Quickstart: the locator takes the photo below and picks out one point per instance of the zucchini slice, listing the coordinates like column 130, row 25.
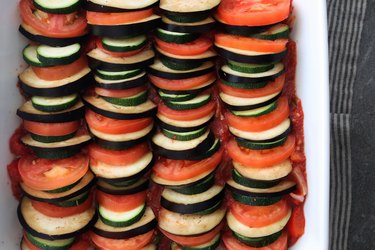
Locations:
column 49, row 228
column 33, row 85
column 256, row 112
column 54, row 104
column 197, row 187
column 175, row 37
column 160, row 70
column 274, row 32
column 102, row 61
column 194, row 103
column 228, row 74
column 121, row 219
column 241, row 104
column 249, row 68
column 30, row 56
column 145, row 224
column 119, row 75
column 100, row 106
column 184, row 136
column 128, row 83
column 189, row 224
column 124, row 44
column 258, row 241
column 178, row 65
column 130, row 101
column 29, row 113
column 186, row 17
column 54, row 56
column 184, row 126
column 175, row 97
column 50, row 244
column 138, row 27
column 237, row 177
column 57, row 6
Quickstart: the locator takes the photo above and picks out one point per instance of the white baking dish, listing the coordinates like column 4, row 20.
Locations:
column 312, row 84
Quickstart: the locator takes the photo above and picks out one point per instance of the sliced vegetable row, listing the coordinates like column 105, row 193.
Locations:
column 191, row 203
column 251, row 83
column 120, row 117
column 57, row 206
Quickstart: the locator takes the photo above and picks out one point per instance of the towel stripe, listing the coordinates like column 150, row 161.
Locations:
column 345, row 25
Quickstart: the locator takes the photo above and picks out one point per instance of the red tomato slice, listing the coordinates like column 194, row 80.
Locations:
column 102, row 18
column 252, row 44
column 15, row 178
column 15, row 144
column 178, row 170
column 296, row 225
column 232, row 244
column 191, row 241
column 118, row 157
column 134, row 243
column 61, row 71
column 61, row 212
column 187, row 115
column 121, row 203
column 51, row 129
column 99, row 45
column 43, row 174
column 272, row 87
column 113, row 126
column 182, row 84
column 120, row 93
column 253, row 12
column 263, row 122
column 259, row 216
column 52, row 25
column 261, row 158
column 193, row 48
column 81, row 244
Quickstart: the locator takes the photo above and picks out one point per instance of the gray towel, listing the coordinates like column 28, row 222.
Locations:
column 352, row 71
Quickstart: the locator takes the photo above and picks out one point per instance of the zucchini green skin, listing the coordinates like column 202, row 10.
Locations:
column 184, row 136
column 260, row 145
column 249, row 68
column 257, row 242
column 49, row 244
column 108, row 46
column 176, row 65
column 51, row 139
column 122, row 223
column 128, row 101
column 169, row 37
column 39, row 4
column 255, row 201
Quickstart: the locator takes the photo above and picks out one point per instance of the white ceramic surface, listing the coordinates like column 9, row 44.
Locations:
column 312, row 84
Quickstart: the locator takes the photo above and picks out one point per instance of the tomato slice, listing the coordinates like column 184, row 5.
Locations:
column 272, row 87
column 102, row 18
column 118, row 157
column 52, row 210
column 99, row 45
column 113, row 126
column 178, row 170
column 259, row 216
column 121, row 203
column 51, row 129
column 232, row 244
column 252, row 44
column 263, row 122
column 296, row 225
column 15, row 178
column 182, row 84
column 61, row 71
column 81, row 244
column 261, row 158
column 44, row 174
column 187, row 115
column 52, row 25
column 193, row 48
column 191, row 241
column 134, row 243
column 120, row 93
column 15, row 144
column 253, row 12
